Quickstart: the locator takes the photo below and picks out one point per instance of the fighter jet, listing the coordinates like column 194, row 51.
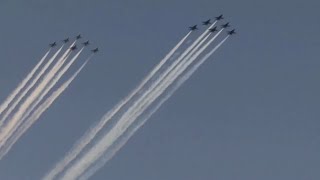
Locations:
column 207, row 22
column 66, row 40
column 233, row 31
column 225, row 25
column 53, row 44
column 219, row 17
column 212, row 30
column 95, row 50
column 86, row 43
column 74, row 47
column 192, row 28
column 79, row 36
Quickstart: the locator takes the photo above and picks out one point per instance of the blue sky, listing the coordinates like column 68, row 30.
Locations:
column 251, row 112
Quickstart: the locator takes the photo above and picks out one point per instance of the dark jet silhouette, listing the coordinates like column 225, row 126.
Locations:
column 233, row 31
column 66, row 40
column 74, row 47
column 53, row 44
column 225, row 25
column 79, row 36
column 219, row 17
column 212, row 30
column 207, row 22
column 192, row 28
column 86, row 43
column 95, row 50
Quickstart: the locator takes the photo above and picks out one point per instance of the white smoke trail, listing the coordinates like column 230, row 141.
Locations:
column 30, row 86
column 10, row 98
column 39, row 111
column 7, row 130
column 42, row 94
column 99, row 148
column 89, row 136
column 128, row 134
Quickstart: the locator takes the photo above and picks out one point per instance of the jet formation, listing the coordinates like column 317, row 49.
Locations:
column 214, row 29
column 74, row 47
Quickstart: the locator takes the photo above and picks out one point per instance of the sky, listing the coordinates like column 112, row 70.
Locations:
column 249, row 113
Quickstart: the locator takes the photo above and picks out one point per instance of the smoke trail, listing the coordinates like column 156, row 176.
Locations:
column 4, row 131
column 154, row 109
column 99, row 148
column 43, row 93
column 27, row 89
column 39, row 111
column 10, row 98
column 89, row 136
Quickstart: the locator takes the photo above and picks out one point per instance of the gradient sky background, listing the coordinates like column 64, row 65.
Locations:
column 252, row 114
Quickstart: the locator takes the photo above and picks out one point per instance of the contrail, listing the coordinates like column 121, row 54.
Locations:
column 42, row 94
column 99, row 148
column 39, row 111
column 27, row 89
column 24, row 106
column 125, row 137
column 89, row 136
column 10, row 98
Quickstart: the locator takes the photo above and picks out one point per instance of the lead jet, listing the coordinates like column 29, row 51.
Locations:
column 79, row 36
column 66, row 40
column 207, row 22
column 192, row 28
column 95, row 50
column 233, row 31
column 86, row 43
column 53, row 44
column 225, row 25
column 74, row 47
column 219, row 17
column 212, row 30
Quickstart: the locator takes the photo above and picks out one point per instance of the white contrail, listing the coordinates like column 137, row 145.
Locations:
column 43, row 94
column 39, row 111
column 89, row 136
column 10, row 98
column 6, row 130
column 30, row 86
column 125, row 137
column 99, row 148
column 128, row 134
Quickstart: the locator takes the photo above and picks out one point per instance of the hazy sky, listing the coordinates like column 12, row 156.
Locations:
column 250, row 113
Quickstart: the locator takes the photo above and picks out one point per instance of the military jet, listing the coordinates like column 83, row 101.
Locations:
column 53, row 44
column 74, row 47
column 212, row 30
column 95, row 50
column 86, row 43
column 233, row 31
column 66, row 40
column 207, row 22
column 219, row 17
column 225, row 25
column 192, row 28
column 79, row 36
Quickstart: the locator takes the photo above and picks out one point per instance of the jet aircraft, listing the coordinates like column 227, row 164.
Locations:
column 192, row 28
column 219, row 17
column 79, row 36
column 66, row 40
column 74, row 47
column 86, row 43
column 95, row 50
column 207, row 22
column 212, row 30
column 53, row 44
column 225, row 25
column 233, row 31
